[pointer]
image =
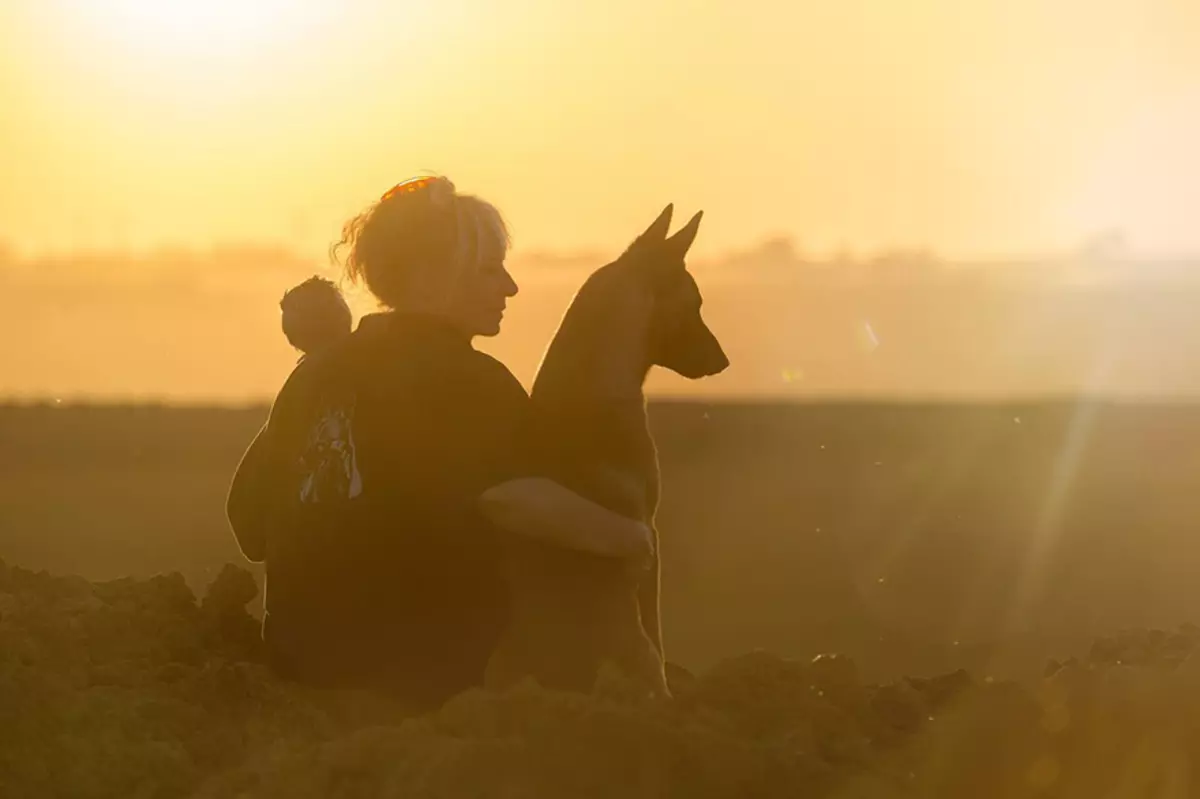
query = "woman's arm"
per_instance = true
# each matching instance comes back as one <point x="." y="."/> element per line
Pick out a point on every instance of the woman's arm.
<point x="549" y="512"/>
<point x="246" y="503"/>
<point x="519" y="497"/>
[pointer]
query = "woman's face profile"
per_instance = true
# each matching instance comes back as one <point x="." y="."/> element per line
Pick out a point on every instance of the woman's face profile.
<point x="477" y="306"/>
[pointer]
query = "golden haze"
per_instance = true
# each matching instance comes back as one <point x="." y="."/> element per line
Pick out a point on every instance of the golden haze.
<point x="972" y="127"/>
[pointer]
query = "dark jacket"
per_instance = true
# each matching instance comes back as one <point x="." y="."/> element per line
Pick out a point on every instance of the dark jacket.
<point x="360" y="496"/>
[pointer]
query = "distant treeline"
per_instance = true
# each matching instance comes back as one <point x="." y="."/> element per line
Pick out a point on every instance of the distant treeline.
<point x="234" y="265"/>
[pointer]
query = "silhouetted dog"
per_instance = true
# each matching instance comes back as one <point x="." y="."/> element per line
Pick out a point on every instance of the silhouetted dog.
<point x="573" y="611"/>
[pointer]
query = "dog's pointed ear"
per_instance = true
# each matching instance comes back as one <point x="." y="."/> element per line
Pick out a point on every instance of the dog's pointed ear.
<point x="681" y="242"/>
<point x="657" y="231"/>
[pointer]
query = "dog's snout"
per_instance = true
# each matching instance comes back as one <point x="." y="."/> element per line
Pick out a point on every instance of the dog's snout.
<point x="715" y="364"/>
<point x="721" y="364"/>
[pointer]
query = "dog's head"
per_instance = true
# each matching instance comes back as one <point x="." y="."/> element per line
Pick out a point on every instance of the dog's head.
<point x="678" y="338"/>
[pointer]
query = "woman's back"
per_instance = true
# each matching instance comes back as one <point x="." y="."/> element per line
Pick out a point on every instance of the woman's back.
<point x="379" y="562"/>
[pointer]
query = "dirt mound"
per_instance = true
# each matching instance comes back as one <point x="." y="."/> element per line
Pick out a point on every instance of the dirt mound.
<point x="134" y="689"/>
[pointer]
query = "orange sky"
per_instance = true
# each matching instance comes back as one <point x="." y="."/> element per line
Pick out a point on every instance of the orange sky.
<point x="972" y="126"/>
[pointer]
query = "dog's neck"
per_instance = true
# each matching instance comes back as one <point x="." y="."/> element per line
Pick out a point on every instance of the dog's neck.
<point x="592" y="373"/>
<point x="600" y="355"/>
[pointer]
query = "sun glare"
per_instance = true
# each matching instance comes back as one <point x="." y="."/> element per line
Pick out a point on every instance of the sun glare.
<point x="204" y="28"/>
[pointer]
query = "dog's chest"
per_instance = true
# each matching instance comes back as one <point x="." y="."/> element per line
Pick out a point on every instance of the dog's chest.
<point x="606" y="454"/>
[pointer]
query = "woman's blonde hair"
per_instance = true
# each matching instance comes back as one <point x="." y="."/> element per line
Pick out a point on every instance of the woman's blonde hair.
<point x="419" y="225"/>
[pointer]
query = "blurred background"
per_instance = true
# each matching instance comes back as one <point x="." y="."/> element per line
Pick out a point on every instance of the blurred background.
<point x="936" y="197"/>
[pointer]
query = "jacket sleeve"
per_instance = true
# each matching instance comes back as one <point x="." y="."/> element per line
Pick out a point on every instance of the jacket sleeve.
<point x="253" y="497"/>
<point x="528" y="492"/>
<point x="246" y="504"/>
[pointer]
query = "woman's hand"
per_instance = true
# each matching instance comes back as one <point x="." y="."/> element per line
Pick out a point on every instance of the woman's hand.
<point x="547" y="511"/>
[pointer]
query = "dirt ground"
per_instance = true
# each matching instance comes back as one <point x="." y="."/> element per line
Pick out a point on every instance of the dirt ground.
<point x="133" y="688"/>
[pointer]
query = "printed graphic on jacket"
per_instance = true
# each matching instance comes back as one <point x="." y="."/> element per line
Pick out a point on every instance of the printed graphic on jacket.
<point x="328" y="465"/>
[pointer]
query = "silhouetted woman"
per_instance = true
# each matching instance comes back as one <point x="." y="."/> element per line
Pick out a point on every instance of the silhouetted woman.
<point x="360" y="493"/>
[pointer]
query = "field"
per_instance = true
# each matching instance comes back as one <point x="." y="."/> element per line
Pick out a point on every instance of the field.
<point x="789" y="527"/>
<point x="916" y="539"/>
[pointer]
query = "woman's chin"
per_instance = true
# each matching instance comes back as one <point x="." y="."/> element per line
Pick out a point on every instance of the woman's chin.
<point x="489" y="327"/>
<point x="486" y="331"/>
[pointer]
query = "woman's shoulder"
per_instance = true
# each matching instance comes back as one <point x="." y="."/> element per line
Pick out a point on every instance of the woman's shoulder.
<point x="386" y="365"/>
<point x="496" y="376"/>
<point x="317" y="372"/>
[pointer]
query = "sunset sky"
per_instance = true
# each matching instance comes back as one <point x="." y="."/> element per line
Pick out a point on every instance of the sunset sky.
<point x="975" y="127"/>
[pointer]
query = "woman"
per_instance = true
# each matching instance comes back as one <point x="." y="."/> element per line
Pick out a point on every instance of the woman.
<point x="381" y="571"/>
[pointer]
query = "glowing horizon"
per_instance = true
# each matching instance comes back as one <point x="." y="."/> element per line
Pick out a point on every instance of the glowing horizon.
<point x="973" y="128"/>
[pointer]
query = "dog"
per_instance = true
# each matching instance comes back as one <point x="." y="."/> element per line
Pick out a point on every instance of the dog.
<point x="574" y="611"/>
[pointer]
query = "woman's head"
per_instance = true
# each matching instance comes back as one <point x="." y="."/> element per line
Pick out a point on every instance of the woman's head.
<point x="314" y="314"/>
<point x="425" y="248"/>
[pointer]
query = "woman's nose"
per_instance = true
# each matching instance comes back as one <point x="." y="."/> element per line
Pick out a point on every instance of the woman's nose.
<point x="510" y="286"/>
